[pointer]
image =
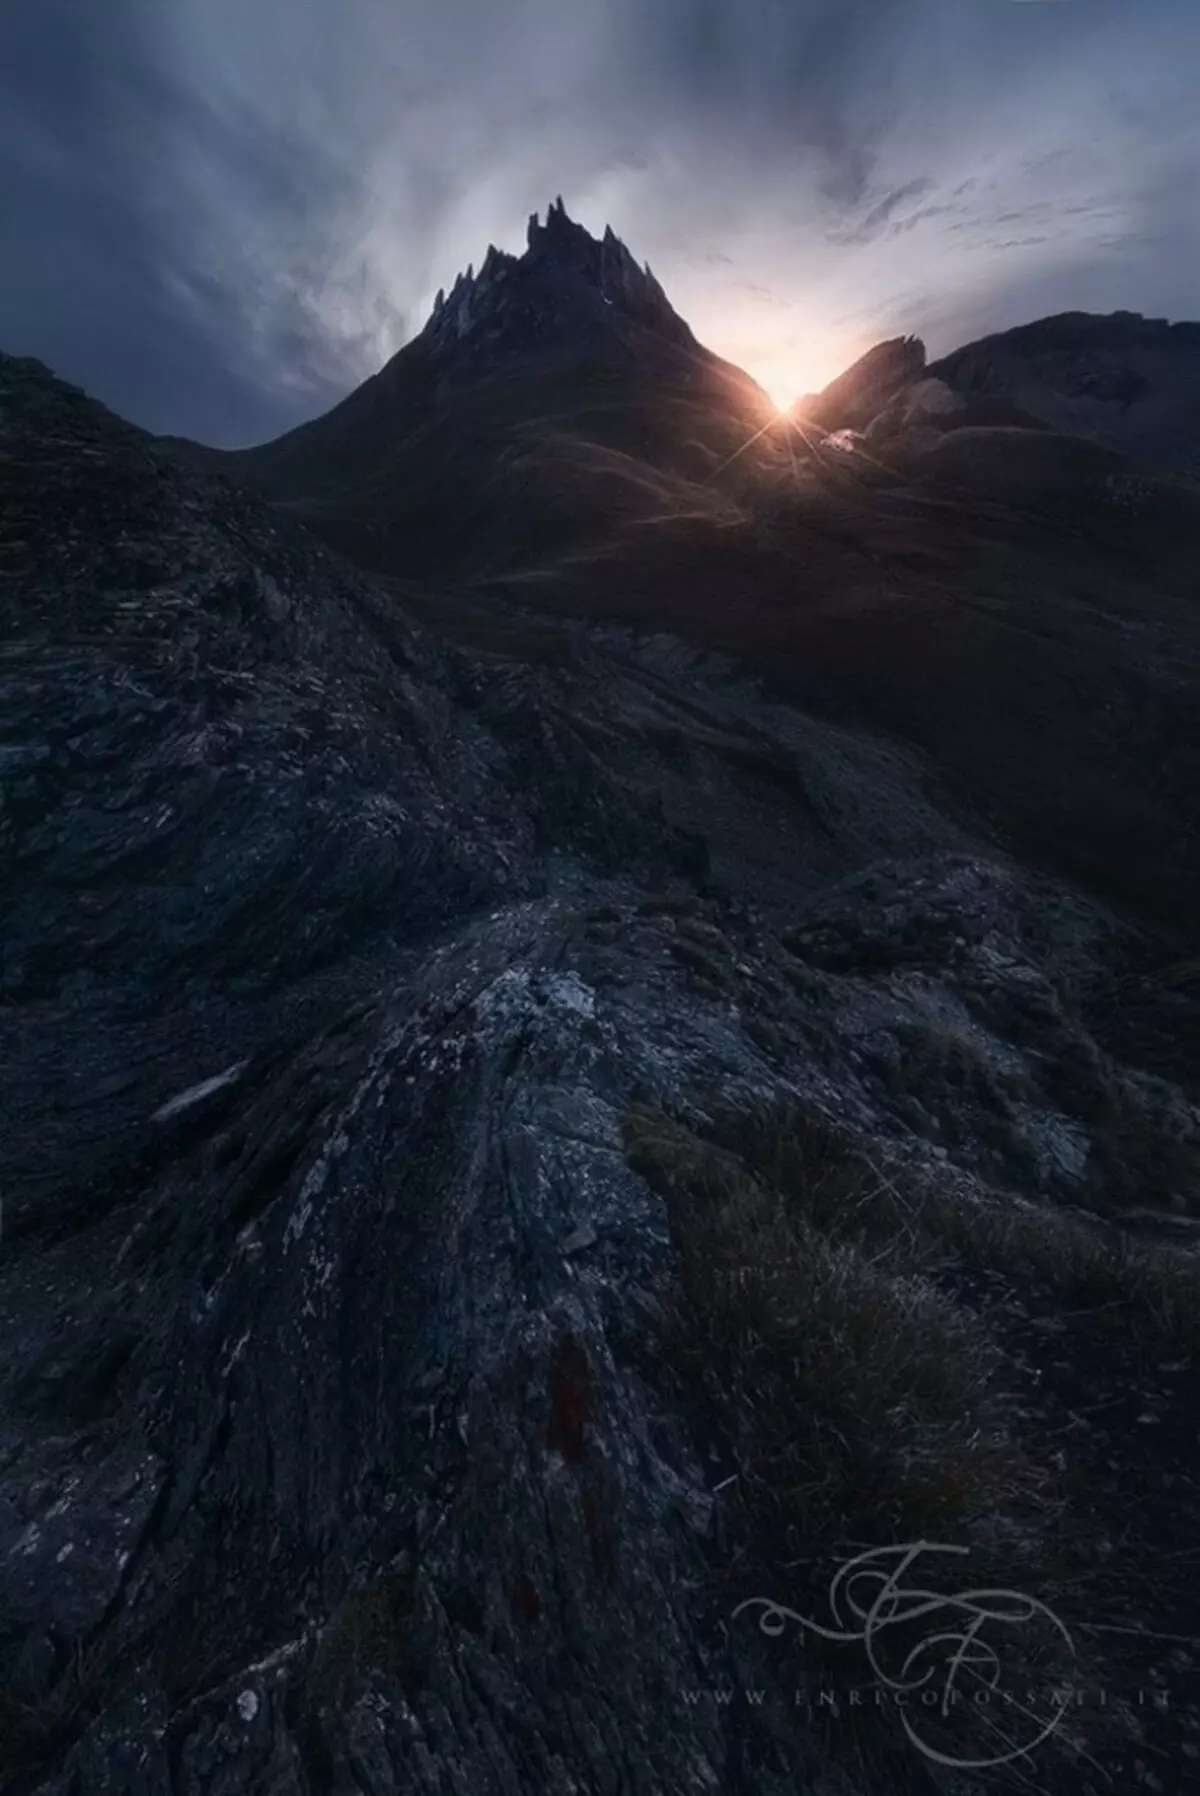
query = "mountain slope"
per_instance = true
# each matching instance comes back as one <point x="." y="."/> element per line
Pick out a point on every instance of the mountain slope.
<point x="1032" y="630"/>
<point x="511" y="1157"/>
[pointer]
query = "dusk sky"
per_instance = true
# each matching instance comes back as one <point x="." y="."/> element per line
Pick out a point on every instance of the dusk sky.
<point x="220" y="215"/>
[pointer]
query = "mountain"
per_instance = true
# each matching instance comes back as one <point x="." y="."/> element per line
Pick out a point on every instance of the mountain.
<point x="550" y="398"/>
<point x="867" y="387"/>
<point x="563" y="1083"/>
<point x="1127" y="383"/>
<point x="555" y="401"/>
<point x="964" y="578"/>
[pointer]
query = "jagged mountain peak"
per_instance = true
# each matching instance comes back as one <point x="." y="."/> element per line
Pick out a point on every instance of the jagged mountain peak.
<point x="566" y="279"/>
<point x="868" y="384"/>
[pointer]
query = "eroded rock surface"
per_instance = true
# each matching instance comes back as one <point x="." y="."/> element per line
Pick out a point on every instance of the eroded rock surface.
<point x="336" y="1453"/>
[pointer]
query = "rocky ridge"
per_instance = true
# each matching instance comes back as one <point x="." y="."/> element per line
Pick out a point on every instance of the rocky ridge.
<point x="1127" y="383"/>
<point x="341" y="1448"/>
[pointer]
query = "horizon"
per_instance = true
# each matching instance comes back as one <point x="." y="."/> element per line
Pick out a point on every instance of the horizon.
<point x="260" y="208"/>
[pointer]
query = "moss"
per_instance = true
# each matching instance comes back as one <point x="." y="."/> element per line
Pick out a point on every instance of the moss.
<point x="601" y="913"/>
<point x="381" y="1626"/>
<point x="660" y="904"/>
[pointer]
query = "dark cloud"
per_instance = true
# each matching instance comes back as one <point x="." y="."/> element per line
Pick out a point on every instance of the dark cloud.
<point x="219" y="216"/>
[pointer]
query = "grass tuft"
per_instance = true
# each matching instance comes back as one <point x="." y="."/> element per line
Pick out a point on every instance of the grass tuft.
<point x="863" y="1404"/>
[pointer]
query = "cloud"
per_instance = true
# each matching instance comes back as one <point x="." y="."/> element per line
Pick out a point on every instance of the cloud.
<point x="880" y="214"/>
<point x="221" y="216"/>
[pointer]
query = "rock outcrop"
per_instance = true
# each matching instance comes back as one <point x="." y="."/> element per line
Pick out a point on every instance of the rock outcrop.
<point x="559" y="285"/>
<point x="1127" y="383"/>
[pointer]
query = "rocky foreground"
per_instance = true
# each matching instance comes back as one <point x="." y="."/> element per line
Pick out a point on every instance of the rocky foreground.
<point x="516" y="1151"/>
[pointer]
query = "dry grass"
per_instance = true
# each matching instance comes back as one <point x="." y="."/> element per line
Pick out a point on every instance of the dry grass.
<point x="952" y="1051"/>
<point x="859" y="1394"/>
<point x="862" y="1404"/>
<point x="1150" y="1291"/>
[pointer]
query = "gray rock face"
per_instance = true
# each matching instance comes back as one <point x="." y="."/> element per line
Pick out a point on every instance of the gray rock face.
<point x="335" y="1450"/>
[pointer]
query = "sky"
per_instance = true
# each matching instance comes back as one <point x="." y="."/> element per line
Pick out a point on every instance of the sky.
<point x="219" y="216"/>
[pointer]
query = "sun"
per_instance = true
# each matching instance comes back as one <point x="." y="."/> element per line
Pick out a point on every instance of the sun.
<point x="782" y="398"/>
<point x="783" y="386"/>
<point x="787" y="377"/>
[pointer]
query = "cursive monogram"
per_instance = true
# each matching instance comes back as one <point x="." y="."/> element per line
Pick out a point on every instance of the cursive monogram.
<point x="866" y="1600"/>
